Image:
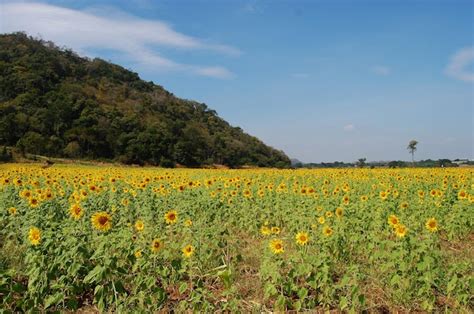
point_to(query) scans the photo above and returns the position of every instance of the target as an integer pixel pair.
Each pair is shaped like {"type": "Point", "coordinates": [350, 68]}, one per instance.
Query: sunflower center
{"type": "Point", "coordinates": [103, 220]}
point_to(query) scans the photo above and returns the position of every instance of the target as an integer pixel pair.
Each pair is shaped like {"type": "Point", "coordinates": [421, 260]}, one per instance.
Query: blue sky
{"type": "Point", "coordinates": [321, 80]}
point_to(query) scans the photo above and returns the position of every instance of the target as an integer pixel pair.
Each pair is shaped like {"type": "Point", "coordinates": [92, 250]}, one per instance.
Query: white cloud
{"type": "Point", "coordinates": [381, 70]}
{"type": "Point", "coordinates": [349, 127]}
{"type": "Point", "coordinates": [133, 37]}
{"type": "Point", "coordinates": [459, 63]}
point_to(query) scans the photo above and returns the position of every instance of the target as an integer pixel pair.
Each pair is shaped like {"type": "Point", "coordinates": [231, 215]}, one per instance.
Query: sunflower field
{"type": "Point", "coordinates": [127, 239]}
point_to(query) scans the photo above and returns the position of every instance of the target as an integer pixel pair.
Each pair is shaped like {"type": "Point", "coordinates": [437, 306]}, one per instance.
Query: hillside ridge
{"type": "Point", "coordinates": [56, 103]}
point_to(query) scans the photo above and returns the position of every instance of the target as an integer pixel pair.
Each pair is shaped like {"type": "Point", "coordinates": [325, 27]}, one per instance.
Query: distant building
{"type": "Point", "coordinates": [460, 161]}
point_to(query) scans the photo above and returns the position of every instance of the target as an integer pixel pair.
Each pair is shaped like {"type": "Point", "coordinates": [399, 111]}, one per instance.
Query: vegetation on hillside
{"type": "Point", "coordinates": [56, 103]}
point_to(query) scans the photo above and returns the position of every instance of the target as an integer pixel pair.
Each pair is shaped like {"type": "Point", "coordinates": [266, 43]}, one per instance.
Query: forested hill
{"type": "Point", "coordinates": [55, 103]}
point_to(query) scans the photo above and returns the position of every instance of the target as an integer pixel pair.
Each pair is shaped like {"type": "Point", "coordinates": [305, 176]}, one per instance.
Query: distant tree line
{"type": "Point", "coordinates": [391, 164]}
{"type": "Point", "coordinates": [55, 103]}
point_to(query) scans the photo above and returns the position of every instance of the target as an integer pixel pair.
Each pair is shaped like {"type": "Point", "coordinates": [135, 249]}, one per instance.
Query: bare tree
{"type": "Point", "coordinates": [412, 148]}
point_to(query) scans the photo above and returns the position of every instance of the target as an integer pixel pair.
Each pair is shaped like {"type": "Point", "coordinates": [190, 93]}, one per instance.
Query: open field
{"type": "Point", "coordinates": [121, 239]}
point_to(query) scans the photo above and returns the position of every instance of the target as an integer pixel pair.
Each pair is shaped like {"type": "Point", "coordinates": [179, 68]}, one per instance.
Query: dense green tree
{"type": "Point", "coordinates": [56, 103]}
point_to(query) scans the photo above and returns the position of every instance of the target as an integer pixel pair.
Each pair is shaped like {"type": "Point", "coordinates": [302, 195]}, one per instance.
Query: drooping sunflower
{"type": "Point", "coordinates": [327, 231]}
{"type": "Point", "coordinates": [302, 238]}
{"type": "Point", "coordinates": [76, 211]}
{"type": "Point", "coordinates": [188, 250]}
{"type": "Point", "coordinates": [171, 217]}
{"type": "Point", "coordinates": [401, 230]}
{"type": "Point", "coordinates": [432, 225]}
{"type": "Point", "coordinates": [101, 221]}
{"type": "Point", "coordinates": [34, 236]}
{"type": "Point", "coordinates": [156, 245]}
{"type": "Point", "coordinates": [393, 220]}
{"type": "Point", "coordinates": [276, 245]}
{"type": "Point", "coordinates": [139, 225]}
{"type": "Point", "coordinates": [339, 212]}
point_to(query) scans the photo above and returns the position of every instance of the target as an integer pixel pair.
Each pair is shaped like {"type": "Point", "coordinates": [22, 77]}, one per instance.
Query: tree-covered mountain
{"type": "Point", "coordinates": [56, 103]}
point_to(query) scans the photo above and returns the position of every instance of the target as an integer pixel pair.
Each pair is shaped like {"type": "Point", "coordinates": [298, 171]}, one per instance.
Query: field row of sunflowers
{"type": "Point", "coordinates": [126, 239]}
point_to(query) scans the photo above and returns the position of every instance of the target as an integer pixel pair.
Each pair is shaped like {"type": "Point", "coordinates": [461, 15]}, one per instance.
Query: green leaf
{"type": "Point", "coordinates": [94, 274]}
{"type": "Point", "coordinates": [395, 280]}
{"type": "Point", "coordinates": [270, 290]}
{"type": "Point", "coordinates": [343, 303]}
{"type": "Point", "coordinates": [297, 305]}
{"type": "Point", "coordinates": [183, 287]}
{"type": "Point", "coordinates": [280, 303]}
{"type": "Point", "coordinates": [53, 299]}
{"type": "Point", "coordinates": [302, 293]}
{"type": "Point", "coordinates": [452, 283]}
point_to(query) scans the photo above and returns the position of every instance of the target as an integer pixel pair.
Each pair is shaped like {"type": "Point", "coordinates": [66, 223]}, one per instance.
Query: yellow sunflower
{"type": "Point", "coordinates": [188, 223]}
{"type": "Point", "coordinates": [321, 220]}
{"type": "Point", "coordinates": [276, 230]}
{"type": "Point", "coordinates": [276, 245]}
{"type": "Point", "coordinates": [156, 245]}
{"type": "Point", "coordinates": [462, 195]}
{"type": "Point", "coordinates": [76, 211]}
{"type": "Point", "coordinates": [139, 225]}
{"type": "Point", "coordinates": [101, 221]}
{"type": "Point", "coordinates": [34, 236]}
{"type": "Point", "coordinates": [432, 225]}
{"type": "Point", "coordinates": [171, 217]}
{"type": "Point", "coordinates": [188, 250]}
{"type": "Point", "coordinates": [302, 238]}
{"type": "Point", "coordinates": [12, 210]}
{"type": "Point", "coordinates": [400, 230]}
{"type": "Point", "coordinates": [339, 212]}
{"type": "Point", "coordinates": [138, 253]}
{"type": "Point", "coordinates": [327, 231]}
{"type": "Point", "coordinates": [393, 220]}
{"type": "Point", "coordinates": [265, 230]}
{"type": "Point", "coordinates": [26, 194]}
{"type": "Point", "coordinates": [33, 202]}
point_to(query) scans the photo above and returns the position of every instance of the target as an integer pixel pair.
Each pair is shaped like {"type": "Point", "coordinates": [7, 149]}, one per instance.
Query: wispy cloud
{"type": "Point", "coordinates": [252, 7]}
{"type": "Point", "coordinates": [135, 38]}
{"type": "Point", "coordinates": [381, 70]}
{"type": "Point", "coordinates": [349, 127]}
{"type": "Point", "coordinates": [458, 66]}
